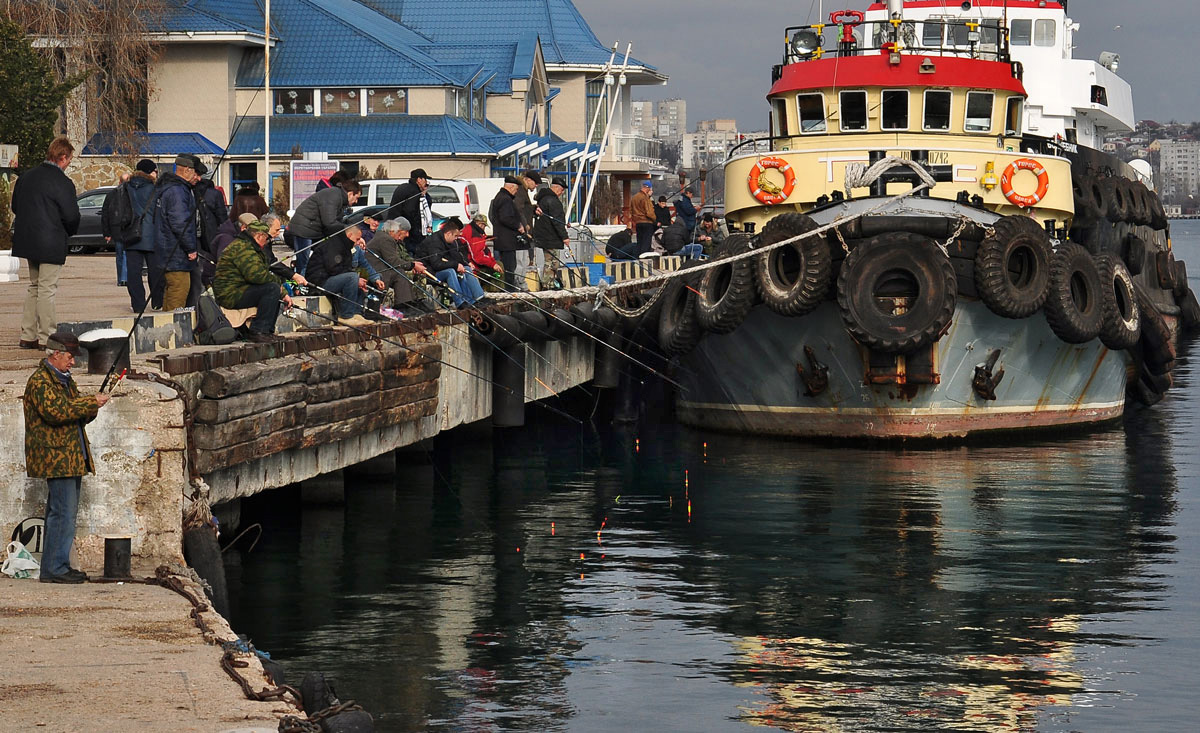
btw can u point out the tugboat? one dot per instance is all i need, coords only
(973, 262)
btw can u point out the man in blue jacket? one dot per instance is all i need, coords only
(175, 225)
(686, 210)
(45, 215)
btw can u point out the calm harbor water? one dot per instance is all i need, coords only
(659, 578)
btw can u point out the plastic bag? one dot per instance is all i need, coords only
(19, 563)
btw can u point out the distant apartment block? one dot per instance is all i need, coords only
(672, 119)
(1179, 163)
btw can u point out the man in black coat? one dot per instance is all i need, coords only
(506, 227)
(175, 224)
(212, 211)
(550, 230)
(410, 201)
(45, 215)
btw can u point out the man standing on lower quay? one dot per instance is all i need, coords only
(57, 449)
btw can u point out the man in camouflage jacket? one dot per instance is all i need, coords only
(244, 280)
(57, 449)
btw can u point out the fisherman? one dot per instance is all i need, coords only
(443, 256)
(388, 247)
(174, 235)
(476, 238)
(411, 201)
(550, 230)
(57, 449)
(526, 255)
(641, 217)
(228, 232)
(507, 227)
(320, 216)
(45, 215)
(331, 268)
(711, 234)
(212, 212)
(662, 212)
(686, 210)
(244, 280)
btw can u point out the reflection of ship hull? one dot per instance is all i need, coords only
(747, 380)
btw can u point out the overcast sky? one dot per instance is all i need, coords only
(719, 53)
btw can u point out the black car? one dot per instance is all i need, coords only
(89, 238)
(364, 212)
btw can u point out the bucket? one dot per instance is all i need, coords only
(596, 274)
(116, 557)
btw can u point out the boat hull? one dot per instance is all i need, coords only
(748, 381)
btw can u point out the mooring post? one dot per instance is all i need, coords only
(508, 389)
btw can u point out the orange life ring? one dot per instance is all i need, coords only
(1026, 164)
(765, 192)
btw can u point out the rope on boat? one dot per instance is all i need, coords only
(601, 292)
(860, 176)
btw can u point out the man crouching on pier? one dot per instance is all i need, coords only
(57, 449)
(244, 279)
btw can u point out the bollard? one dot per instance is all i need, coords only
(116, 557)
(508, 390)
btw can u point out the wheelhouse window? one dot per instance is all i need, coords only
(931, 33)
(1043, 32)
(387, 101)
(778, 118)
(979, 112)
(853, 108)
(1021, 32)
(895, 109)
(1012, 118)
(339, 101)
(811, 108)
(937, 109)
(293, 101)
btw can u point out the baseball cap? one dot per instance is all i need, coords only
(647, 184)
(246, 219)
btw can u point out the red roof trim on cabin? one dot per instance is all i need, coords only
(874, 70)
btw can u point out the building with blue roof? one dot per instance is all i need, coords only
(467, 89)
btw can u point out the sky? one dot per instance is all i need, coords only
(719, 53)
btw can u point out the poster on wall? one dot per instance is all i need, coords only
(306, 174)
(8, 156)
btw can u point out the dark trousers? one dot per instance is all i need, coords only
(265, 297)
(509, 260)
(645, 238)
(135, 260)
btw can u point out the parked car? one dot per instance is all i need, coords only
(89, 238)
(449, 197)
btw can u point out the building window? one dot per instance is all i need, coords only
(895, 109)
(1012, 120)
(595, 92)
(462, 104)
(979, 112)
(339, 101)
(478, 104)
(1043, 32)
(853, 110)
(242, 174)
(293, 101)
(1021, 32)
(937, 109)
(812, 113)
(387, 101)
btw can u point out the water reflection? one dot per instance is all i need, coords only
(558, 579)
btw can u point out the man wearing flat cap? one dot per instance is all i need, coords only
(412, 202)
(550, 229)
(175, 225)
(506, 226)
(57, 449)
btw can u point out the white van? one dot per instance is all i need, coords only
(457, 197)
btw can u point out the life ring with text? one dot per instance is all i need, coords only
(767, 192)
(1025, 164)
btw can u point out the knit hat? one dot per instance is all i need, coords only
(147, 166)
(64, 341)
(257, 226)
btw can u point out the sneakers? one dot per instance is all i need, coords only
(355, 321)
(72, 576)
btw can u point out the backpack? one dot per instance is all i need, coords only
(212, 327)
(122, 214)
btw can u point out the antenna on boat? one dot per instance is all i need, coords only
(895, 9)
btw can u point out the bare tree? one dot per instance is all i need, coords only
(111, 42)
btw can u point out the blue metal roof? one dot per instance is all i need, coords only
(156, 144)
(379, 134)
(213, 16)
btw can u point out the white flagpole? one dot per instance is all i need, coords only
(612, 111)
(591, 131)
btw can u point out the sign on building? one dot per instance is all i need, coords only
(306, 174)
(8, 156)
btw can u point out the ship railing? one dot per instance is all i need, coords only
(984, 39)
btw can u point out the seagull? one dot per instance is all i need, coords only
(1116, 28)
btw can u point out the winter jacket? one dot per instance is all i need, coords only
(243, 265)
(662, 215)
(210, 204)
(175, 223)
(332, 257)
(686, 210)
(476, 239)
(549, 231)
(641, 208)
(320, 215)
(438, 254)
(406, 202)
(621, 246)
(56, 445)
(45, 213)
(675, 236)
(140, 190)
(505, 222)
(226, 233)
(525, 208)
